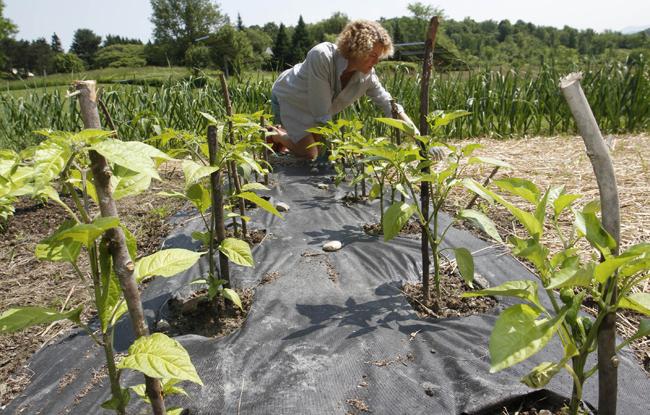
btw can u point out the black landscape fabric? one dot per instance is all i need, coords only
(332, 334)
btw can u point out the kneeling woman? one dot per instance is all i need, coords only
(332, 77)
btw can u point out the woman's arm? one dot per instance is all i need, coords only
(382, 98)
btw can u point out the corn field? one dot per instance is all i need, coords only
(502, 104)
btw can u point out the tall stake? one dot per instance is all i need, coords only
(233, 166)
(122, 261)
(604, 172)
(425, 189)
(216, 221)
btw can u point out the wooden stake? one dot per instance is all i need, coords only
(122, 261)
(604, 172)
(425, 189)
(217, 220)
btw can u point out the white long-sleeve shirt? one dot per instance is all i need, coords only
(310, 93)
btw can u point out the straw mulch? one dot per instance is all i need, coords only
(556, 161)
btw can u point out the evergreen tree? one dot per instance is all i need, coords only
(397, 38)
(85, 44)
(300, 42)
(240, 23)
(281, 48)
(55, 43)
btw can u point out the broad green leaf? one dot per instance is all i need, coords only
(114, 402)
(133, 155)
(50, 159)
(541, 375)
(526, 290)
(264, 204)
(233, 297)
(237, 251)
(110, 289)
(203, 237)
(482, 221)
(395, 217)
(518, 334)
(194, 172)
(540, 209)
(199, 196)
(520, 187)
(131, 242)
(91, 135)
(465, 264)
(56, 250)
(478, 188)
(572, 277)
(469, 149)
(608, 267)
(644, 329)
(165, 263)
(159, 356)
(531, 250)
(588, 225)
(19, 318)
(636, 301)
(488, 160)
(129, 183)
(175, 411)
(562, 202)
(253, 186)
(375, 190)
(86, 233)
(399, 124)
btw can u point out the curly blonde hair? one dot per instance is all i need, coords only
(359, 37)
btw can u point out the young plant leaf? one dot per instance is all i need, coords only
(253, 186)
(399, 124)
(159, 356)
(19, 318)
(233, 297)
(524, 289)
(636, 301)
(562, 202)
(541, 375)
(572, 277)
(264, 204)
(395, 217)
(129, 183)
(518, 334)
(165, 263)
(237, 251)
(488, 160)
(482, 221)
(588, 225)
(520, 187)
(199, 196)
(87, 233)
(133, 155)
(194, 172)
(608, 267)
(56, 250)
(465, 263)
(114, 402)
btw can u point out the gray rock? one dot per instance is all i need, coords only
(323, 186)
(314, 170)
(429, 388)
(331, 246)
(162, 325)
(282, 207)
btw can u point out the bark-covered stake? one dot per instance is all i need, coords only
(117, 242)
(427, 65)
(604, 172)
(217, 217)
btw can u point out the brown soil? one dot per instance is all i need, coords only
(411, 229)
(450, 303)
(198, 315)
(26, 281)
(253, 236)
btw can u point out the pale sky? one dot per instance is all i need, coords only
(130, 18)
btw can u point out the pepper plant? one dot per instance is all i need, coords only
(60, 164)
(411, 173)
(579, 275)
(200, 191)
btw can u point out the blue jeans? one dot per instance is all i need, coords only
(275, 109)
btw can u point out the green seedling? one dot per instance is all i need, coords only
(61, 162)
(524, 329)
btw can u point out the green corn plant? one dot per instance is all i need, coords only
(199, 191)
(60, 163)
(524, 329)
(407, 162)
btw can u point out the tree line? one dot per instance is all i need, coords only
(196, 33)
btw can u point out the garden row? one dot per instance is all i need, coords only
(411, 175)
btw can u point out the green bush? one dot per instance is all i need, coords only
(198, 57)
(67, 63)
(120, 55)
